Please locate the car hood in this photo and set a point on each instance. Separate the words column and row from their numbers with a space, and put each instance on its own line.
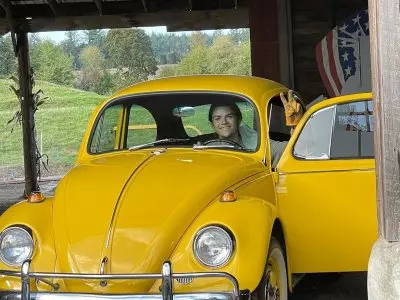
column 134, row 207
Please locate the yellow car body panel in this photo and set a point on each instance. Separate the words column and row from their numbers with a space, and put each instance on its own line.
column 321, row 198
column 245, row 215
column 143, row 207
column 37, row 217
column 148, row 234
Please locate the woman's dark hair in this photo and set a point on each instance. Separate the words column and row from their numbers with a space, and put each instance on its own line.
column 232, row 105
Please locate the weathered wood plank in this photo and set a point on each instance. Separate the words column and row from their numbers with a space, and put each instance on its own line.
column 53, row 5
column 305, row 52
column 308, row 75
column 384, row 20
column 174, row 20
column 286, row 66
column 306, row 65
column 317, row 15
column 264, row 37
column 28, row 121
column 310, row 27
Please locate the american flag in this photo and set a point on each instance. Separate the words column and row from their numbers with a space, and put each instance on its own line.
column 339, row 56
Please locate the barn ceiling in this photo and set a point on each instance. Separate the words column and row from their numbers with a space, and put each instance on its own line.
column 52, row 15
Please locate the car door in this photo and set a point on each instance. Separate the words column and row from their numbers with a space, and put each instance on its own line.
column 326, row 188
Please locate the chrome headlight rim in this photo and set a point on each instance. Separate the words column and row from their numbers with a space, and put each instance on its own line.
column 4, row 233
column 231, row 240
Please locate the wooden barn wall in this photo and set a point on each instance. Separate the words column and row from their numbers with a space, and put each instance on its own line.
column 311, row 21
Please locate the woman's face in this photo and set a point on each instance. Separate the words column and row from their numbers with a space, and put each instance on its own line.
column 225, row 122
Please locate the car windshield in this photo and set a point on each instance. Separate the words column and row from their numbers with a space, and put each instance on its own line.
column 199, row 120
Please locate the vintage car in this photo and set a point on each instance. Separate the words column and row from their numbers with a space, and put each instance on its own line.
column 159, row 206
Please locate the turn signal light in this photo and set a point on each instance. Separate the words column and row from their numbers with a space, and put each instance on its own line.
column 228, row 196
column 36, row 197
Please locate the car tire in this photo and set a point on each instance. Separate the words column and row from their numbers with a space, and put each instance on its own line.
column 274, row 283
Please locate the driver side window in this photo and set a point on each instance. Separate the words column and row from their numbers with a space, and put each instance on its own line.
column 142, row 127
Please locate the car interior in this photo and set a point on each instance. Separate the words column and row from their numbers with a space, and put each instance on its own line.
column 278, row 130
column 168, row 125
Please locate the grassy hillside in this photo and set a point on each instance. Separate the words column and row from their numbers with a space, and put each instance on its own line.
column 60, row 121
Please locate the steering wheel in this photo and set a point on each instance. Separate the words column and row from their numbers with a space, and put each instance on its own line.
column 223, row 141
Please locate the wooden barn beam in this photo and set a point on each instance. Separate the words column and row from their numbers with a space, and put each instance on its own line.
column 264, row 39
column 286, row 66
column 174, row 20
column 4, row 26
column 77, row 9
column 54, row 6
column 271, row 36
column 6, row 5
column 99, row 6
column 384, row 264
column 144, row 6
column 19, row 37
column 28, row 121
column 207, row 20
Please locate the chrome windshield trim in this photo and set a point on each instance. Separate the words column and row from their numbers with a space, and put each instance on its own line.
column 166, row 276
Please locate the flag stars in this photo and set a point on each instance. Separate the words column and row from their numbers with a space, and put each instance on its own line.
column 345, row 56
column 348, row 71
column 343, row 28
column 356, row 19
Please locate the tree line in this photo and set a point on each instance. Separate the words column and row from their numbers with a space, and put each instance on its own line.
column 104, row 61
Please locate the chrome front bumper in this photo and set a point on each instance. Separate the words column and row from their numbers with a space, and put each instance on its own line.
column 166, row 288
column 64, row 296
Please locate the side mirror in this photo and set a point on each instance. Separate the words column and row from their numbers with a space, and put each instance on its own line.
column 185, row 111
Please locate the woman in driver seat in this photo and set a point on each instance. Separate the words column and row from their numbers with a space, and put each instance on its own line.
column 226, row 119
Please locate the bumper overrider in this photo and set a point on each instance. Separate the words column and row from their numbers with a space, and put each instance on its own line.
column 166, row 288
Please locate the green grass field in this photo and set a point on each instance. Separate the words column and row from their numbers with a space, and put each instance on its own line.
column 60, row 121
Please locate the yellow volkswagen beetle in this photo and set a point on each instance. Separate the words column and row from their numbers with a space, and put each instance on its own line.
column 195, row 188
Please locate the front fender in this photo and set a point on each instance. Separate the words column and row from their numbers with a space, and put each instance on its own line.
column 250, row 219
column 37, row 217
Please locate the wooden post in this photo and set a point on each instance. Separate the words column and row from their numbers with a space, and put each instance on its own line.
column 286, row 66
column 271, row 40
column 384, row 264
column 28, row 122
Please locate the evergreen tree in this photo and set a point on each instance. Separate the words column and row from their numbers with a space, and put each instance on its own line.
column 130, row 51
column 8, row 61
column 72, row 46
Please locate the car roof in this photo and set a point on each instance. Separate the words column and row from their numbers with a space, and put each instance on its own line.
column 250, row 86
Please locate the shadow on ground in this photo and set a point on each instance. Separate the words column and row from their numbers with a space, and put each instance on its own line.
column 349, row 286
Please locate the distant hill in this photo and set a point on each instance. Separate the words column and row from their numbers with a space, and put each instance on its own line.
column 60, row 124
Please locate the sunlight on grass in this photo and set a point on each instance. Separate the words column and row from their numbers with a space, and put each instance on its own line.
column 60, row 123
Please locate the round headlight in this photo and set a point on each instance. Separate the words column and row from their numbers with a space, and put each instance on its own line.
column 16, row 246
column 213, row 246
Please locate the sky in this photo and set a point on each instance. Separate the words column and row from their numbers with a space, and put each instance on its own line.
column 58, row 36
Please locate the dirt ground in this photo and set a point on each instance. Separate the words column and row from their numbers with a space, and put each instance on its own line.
column 311, row 287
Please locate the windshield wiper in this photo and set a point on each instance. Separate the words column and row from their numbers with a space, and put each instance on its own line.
column 158, row 142
column 195, row 146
